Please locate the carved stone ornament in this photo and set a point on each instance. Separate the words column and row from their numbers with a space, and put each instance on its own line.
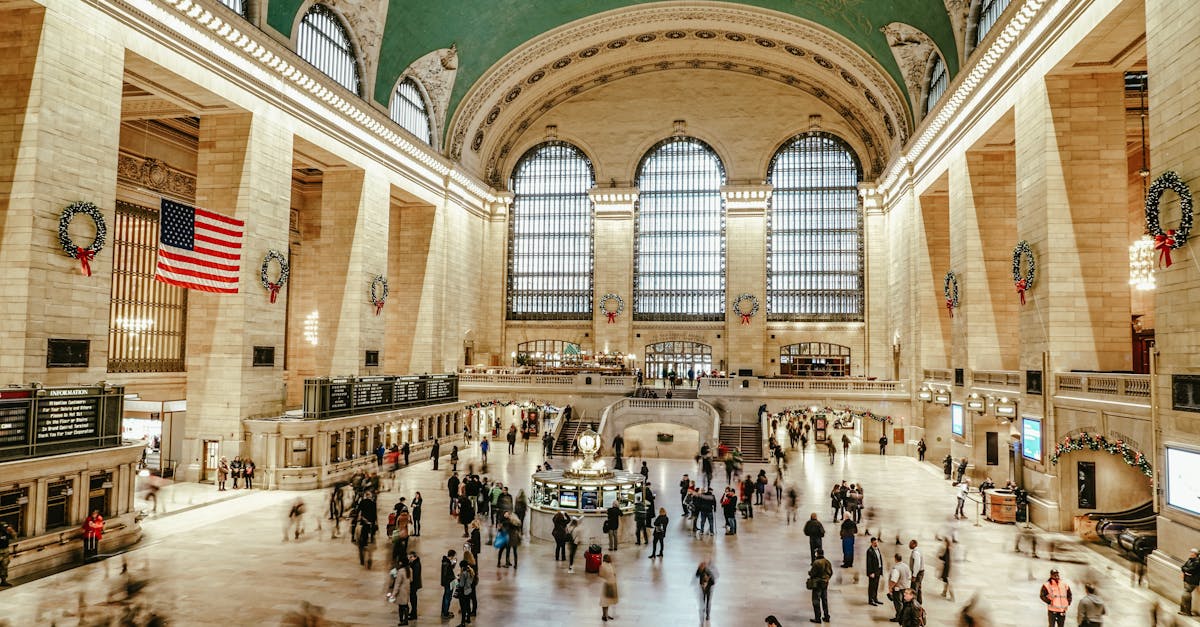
column 912, row 49
column 156, row 175
column 959, row 12
column 366, row 19
column 436, row 72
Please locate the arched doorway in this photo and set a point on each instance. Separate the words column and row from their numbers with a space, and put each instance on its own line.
column 678, row 357
column 814, row 359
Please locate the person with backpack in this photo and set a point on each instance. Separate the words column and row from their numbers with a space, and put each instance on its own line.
column 708, row 578
column 465, row 591
column 911, row 613
column 816, row 534
column 819, row 575
column 660, row 533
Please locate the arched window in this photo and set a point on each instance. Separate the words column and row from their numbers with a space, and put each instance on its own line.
column 238, row 6
column 939, row 79
column 663, row 358
column 550, row 235
column 814, row 241
column 989, row 13
column 814, row 359
column 324, row 41
column 409, row 111
column 679, row 250
column 548, row 354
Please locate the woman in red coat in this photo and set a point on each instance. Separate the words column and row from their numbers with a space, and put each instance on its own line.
column 93, row 530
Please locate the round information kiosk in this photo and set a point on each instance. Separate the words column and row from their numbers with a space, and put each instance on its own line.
column 585, row 491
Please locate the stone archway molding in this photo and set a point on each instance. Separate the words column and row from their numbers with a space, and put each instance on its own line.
column 690, row 413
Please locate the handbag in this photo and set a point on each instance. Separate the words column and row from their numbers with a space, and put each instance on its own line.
column 501, row 540
column 610, row 590
column 808, row 583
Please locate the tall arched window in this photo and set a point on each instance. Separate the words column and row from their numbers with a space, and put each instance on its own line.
column 989, row 13
column 814, row 242
column 939, row 79
column 550, row 235
column 409, row 111
column 679, row 250
column 238, row 6
column 324, row 41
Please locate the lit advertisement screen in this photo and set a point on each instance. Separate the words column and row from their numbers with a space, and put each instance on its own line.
column 957, row 420
column 1031, row 439
column 1183, row 479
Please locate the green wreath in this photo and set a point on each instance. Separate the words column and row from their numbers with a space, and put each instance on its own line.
column 264, row 273
column 377, row 298
column 950, row 290
column 1023, row 282
column 85, row 254
column 611, row 314
column 736, row 306
column 1171, row 239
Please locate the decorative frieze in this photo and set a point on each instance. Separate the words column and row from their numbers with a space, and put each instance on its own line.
column 155, row 175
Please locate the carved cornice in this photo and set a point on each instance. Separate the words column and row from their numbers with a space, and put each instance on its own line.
column 155, row 175
column 746, row 200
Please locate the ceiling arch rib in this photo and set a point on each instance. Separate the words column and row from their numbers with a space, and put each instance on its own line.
column 605, row 47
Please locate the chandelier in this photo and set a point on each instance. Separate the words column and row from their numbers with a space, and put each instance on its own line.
column 1141, row 263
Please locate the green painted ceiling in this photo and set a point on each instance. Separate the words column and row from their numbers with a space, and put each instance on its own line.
column 486, row 30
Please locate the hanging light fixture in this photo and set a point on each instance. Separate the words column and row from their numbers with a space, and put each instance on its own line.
column 1141, row 251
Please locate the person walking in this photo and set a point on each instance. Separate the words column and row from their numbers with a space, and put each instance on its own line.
column 818, row 581
column 511, row 437
column 435, row 452
column 1191, row 578
column 574, row 539
column 1056, row 594
column 964, row 488
column 707, row 577
column 845, row 444
column 447, row 581
column 837, row 500
column 816, row 533
column 660, row 532
column 921, row 448
column 848, row 532
column 401, row 590
column 793, row 504
column 609, row 595
column 8, row 536
column 874, row 572
column 454, row 458
column 1091, row 608
column 406, row 450
column 898, row 580
column 883, row 442
column 947, row 558
column 916, row 565
column 414, row 571
column 484, row 446
column 962, row 469
column 612, row 523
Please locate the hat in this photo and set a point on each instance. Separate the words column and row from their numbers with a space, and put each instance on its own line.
column 1195, row 551
column 1053, row 571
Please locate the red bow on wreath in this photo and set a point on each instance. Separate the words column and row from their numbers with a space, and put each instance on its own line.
column 1164, row 243
column 274, row 288
column 950, row 306
column 612, row 317
column 378, row 307
column 1021, row 287
column 86, row 255
column 745, row 318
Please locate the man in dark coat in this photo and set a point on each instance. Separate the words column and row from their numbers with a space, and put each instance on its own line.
column 874, row 572
column 414, row 584
column 452, row 488
column 447, row 581
column 612, row 524
column 433, row 453
column 815, row 532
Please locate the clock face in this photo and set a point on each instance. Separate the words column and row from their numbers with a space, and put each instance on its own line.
column 589, row 442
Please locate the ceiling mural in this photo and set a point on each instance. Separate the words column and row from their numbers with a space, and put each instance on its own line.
column 486, row 31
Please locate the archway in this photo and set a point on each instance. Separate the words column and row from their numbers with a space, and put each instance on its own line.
column 678, row 357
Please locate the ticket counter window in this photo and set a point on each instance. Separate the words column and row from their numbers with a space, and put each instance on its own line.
column 14, row 504
column 100, row 493
column 335, row 447
column 364, row 441
column 298, row 453
column 349, row 446
column 58, row 504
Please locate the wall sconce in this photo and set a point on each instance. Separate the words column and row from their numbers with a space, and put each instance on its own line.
column 976, row 404
column 925, row 394
column 312, row 328
column 942, row 398
column 1006, row 408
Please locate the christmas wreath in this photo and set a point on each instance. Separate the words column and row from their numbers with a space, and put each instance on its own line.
column 611, row 313
column 950, row 290
column 1133, row 457
column 1166, row 241
column 83, row 254
column 739, row 310
column 264, row 274
column 1023, row 282
column 376, row 297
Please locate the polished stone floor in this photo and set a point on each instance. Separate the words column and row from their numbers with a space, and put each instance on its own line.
column 223, row 563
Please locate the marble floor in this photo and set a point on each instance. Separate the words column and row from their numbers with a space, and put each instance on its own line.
column 223, row 563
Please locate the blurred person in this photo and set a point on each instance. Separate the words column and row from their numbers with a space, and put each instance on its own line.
column 1056, row 594
column 93, row 531
column 400, row 590
column 609, row 595
column 847, row 532
column 1091, row 608
column 707, row 577
column 574, row 539
column 947, row 557
column 1191, row 578
column 8, row 537
column 295, row 520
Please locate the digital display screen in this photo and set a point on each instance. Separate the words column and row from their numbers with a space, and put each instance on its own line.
column 1031, row 439
column 957, row 420
column 590, row 499
column 1183, row 479
column 568, row 499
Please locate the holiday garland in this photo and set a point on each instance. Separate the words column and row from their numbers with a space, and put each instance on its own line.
column 808, row 412
column 950, row 290
column 1165, row 242
column 1071, row 444
column 264, row 274
column 376, row 298
column 1023, row 282
column 611, row 314
column 737, row 306
column 83, row 254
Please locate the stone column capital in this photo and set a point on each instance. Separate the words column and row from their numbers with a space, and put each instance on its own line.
column 613, row 202
column 746, row 200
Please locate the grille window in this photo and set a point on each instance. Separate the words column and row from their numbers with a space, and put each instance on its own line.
column 550, row 247
column 939, row 79
column 58, row 504
column 409, row 111
column 14, row 504
column 679, row 247
column 324, row 42
column 147, row 319
column 814, row 241
column 989, row 13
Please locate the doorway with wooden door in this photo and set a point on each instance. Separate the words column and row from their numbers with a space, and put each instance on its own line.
column 210, row 458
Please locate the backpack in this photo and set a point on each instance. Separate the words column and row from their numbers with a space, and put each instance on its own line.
column 920, row 615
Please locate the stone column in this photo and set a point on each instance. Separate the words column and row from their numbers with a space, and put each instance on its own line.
column 614, row 268
column 746, row 273
column 60, row 116
column 877, row 360
column 1171, row 51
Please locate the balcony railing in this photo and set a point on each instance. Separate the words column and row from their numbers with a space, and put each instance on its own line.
column 1004, row 378
column 939, row 374
column 1135, row 387
column 707, row 385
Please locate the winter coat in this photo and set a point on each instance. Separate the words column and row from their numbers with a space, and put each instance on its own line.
column 400, row 587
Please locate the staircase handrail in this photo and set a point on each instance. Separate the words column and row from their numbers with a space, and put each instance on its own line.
column 556, row 430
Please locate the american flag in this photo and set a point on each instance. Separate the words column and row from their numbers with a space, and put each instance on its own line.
column 198, row 249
